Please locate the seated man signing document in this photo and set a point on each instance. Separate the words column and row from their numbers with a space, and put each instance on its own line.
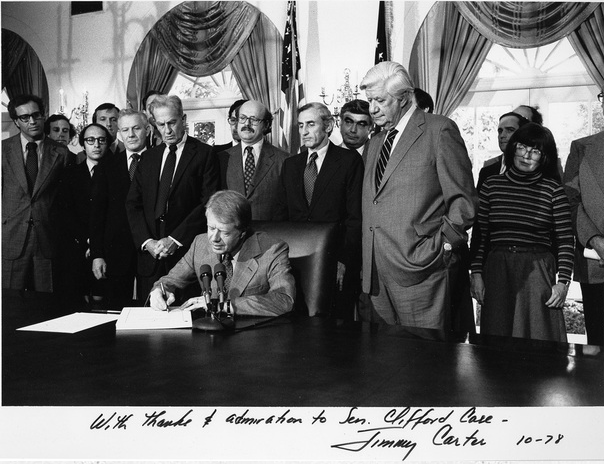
column 261, row 282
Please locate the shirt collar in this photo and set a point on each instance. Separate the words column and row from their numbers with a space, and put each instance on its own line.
column 256, row 146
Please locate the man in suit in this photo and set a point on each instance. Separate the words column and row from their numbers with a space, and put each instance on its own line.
column 253, row 167
column 165, row 204
column 258, row 280
column 584, row 184
column 418, row 202
column 77, row 280
column 356, row 125
column 233, row 119
column 32, row 166
column 323, row 184
column 106, row 115
column 112, row 249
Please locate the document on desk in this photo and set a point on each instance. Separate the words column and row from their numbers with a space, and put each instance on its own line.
column 71, row 323
column 148, row 318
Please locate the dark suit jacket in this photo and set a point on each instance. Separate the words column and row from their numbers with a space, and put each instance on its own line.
column 262, row 283
column 490, row 168
column 336, row 196
column 110, row 236
column 18, row 206
column 75, row 205
column 195, row 180
column 426, row 198
column 265, row 183
column 584, row 185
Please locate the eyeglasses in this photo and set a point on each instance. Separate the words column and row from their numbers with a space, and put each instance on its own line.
column 253, row 121
column 25, row 117
column 92, row 140
column 523, row 150
column 601, row 97
column 232, row 121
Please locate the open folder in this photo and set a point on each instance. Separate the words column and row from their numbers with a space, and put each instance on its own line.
column 149, row 318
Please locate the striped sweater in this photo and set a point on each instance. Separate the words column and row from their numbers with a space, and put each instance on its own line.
column 525, row 209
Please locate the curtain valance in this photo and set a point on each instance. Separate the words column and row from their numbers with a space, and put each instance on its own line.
column 525, row 24
column 201, row 38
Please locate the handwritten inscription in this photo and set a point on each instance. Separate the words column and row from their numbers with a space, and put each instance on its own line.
column 398, row 431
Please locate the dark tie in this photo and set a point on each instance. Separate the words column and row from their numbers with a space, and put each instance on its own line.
column 31, row 165
column 165, row 181
column 384, row 157
column 227, row 260
column 135, row 157
column 92, row 171
column 310, row 176
column 250, row 167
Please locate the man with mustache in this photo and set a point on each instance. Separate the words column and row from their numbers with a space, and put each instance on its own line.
column 253, row 168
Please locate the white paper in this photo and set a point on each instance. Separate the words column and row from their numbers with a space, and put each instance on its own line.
column 590, row 253
column 148, row 318
column 72, row 323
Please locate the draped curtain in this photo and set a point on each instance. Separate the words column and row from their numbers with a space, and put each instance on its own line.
column 22, row 71
column 455, row 38
column 260, row 58
column 588, row 42
column 196, row 38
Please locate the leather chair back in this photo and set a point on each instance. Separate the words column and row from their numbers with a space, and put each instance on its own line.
column 312, row 255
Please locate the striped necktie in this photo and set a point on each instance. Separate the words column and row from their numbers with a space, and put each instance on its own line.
column 384, row 157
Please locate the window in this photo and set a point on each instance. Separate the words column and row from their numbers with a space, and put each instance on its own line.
column 206, row 102
column 551, row 77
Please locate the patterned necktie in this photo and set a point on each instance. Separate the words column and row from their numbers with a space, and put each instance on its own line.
column 31, row 165
column 227, row 260
column 135, row 157
column 161, row 206
column 250, row 167
column 384, row 157
column 310, row 176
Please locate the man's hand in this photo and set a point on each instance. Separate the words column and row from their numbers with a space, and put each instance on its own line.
column 150, row 247
column 195, row 303
column 165, row 247
column 559, row 292
column 159, row 301
column 597, row 243
column 99, row 268
column 477, row 288
column 340, row 275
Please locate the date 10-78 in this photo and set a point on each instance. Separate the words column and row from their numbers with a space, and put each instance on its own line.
column 548, row 439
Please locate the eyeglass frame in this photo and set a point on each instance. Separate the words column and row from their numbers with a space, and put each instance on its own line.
column 92, row 140
column 26, row 117
column 601, row 97
column 252, row 119
column 232, row 121
column 526, row 150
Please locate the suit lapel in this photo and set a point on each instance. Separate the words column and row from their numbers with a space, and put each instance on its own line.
column 265, row 162
column 247, row 264
column 235, row 169
column 154, row 159
column 595, row 158
column 411, row 133
column 329, row 167
column 185, row 158
column 49, row 158
column 14, row 157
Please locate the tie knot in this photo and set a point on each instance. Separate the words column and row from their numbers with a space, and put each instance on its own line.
column 249, row 150
column 313, row 157
column 227, row 258
column 392, row 133
column 172, row 148
column 135, row 157
column 31, row 146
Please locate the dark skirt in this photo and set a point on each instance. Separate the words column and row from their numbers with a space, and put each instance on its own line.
column 517, row 285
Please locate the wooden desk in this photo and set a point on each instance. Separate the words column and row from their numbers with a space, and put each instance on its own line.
column 293, row 361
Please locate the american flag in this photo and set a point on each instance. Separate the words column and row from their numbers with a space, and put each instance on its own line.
column 293, row 93
column 381, row 43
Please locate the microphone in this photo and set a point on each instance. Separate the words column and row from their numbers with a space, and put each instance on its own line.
column 205, row 271
column 220, row 275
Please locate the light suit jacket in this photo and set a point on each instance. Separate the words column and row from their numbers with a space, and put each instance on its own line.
column 584, row 185
column 18, row 206
column 426, row 198
column 262, row 283
column 265, row 183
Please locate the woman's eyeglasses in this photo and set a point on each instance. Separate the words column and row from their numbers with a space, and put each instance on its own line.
column 523, row 150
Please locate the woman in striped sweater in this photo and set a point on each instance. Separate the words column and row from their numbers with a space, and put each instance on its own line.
column 526, row 239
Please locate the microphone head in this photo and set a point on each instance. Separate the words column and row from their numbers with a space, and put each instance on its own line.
column 205, row 269
column 219, row 270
